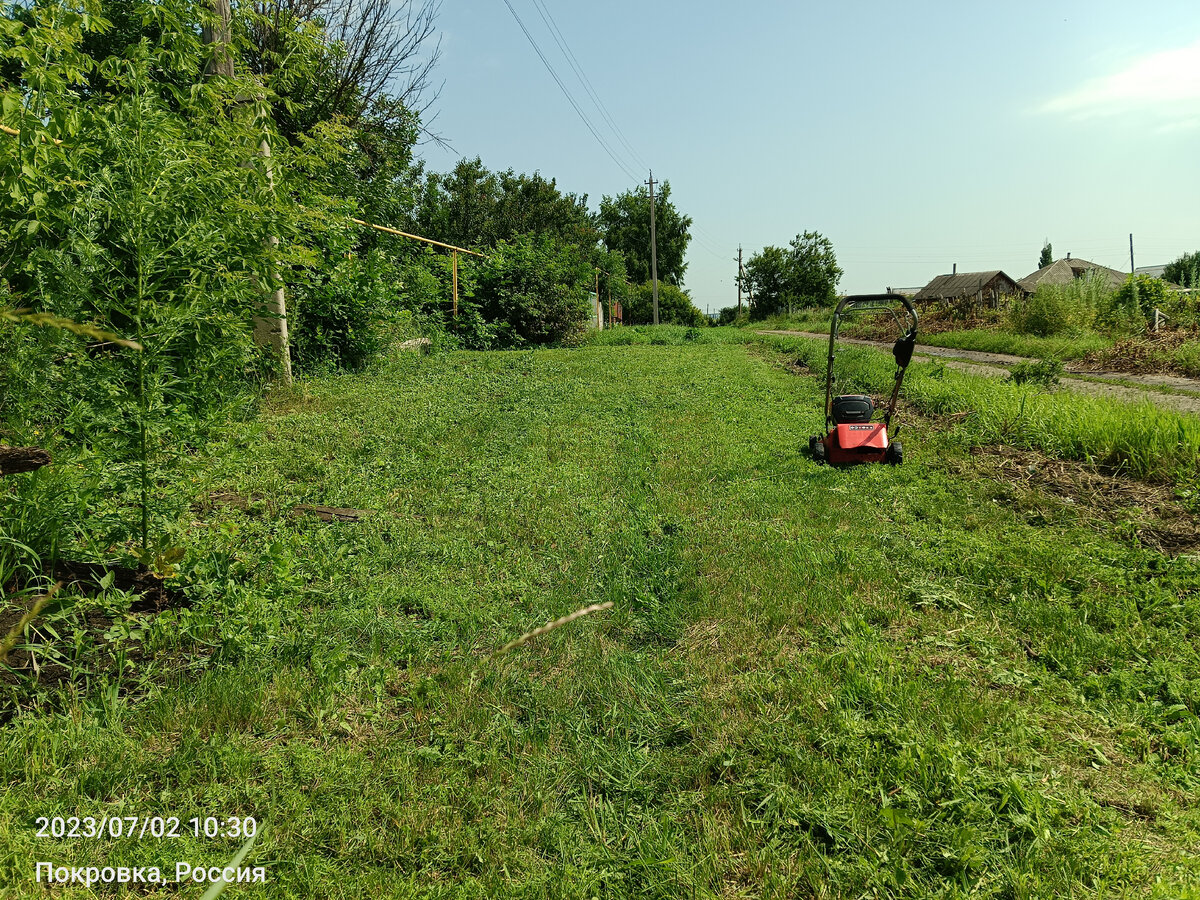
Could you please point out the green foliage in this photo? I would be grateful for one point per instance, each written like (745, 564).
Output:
(145, 222)
(1060, 309)
(1137, 298)
(344, 318)
(624, 223)
(674, 306)
(1184, 271)
(1047, 256)
(805, 274)
(475, 208)
(1045, 372)
(729, 315)
(534, 290)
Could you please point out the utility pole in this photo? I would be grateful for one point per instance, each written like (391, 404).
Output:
(1131, 268)
(219, 33)
(653, 247)
(739, 281)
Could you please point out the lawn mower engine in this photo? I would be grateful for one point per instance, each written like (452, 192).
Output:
(851, 436)
(854, 438)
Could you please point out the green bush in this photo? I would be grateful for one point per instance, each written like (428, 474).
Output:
(341, 320)
(534, 290)
(674, 306)
(1135, 301)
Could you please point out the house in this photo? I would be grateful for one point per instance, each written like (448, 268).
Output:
(1064, 271)
(977, 287)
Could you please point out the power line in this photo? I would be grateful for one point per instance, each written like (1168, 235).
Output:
(548, 18)
(549, 68)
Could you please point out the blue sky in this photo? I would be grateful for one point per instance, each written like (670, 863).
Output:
(914, 135)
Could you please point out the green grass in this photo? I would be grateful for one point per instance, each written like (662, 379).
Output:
(988, 341)
(871, 682)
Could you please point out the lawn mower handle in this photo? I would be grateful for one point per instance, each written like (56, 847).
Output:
(902, 351)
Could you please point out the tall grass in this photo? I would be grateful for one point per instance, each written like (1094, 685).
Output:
(1057, 309)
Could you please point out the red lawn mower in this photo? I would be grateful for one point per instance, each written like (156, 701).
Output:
(851, 436)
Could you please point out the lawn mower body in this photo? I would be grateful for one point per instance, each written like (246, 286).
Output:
(851, 435)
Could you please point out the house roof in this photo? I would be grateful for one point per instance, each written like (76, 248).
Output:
(962, 284)
(1064, 271)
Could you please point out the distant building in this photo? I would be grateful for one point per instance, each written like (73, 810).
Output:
(1152, 271)
(1064, 271)
(978, 287)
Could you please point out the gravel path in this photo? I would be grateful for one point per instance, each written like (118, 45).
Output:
(1117, 385)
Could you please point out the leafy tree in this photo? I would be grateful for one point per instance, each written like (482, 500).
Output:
(1047, 256)
(806, 273)
(150, 221)
(674, 306)
(767, 280)
(625, 226)
(474, 207)
(1184, 271)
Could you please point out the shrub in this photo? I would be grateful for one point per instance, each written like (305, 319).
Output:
(341, 320)
(534, 290)
(674, 306)
(1137, 298)
(729, 316)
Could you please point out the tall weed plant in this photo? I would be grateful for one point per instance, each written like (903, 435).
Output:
(1060, 309)
(145, 211)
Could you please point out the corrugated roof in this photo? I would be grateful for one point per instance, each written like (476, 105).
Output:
(962, 284)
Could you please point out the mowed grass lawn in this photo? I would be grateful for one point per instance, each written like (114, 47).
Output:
(906, 682)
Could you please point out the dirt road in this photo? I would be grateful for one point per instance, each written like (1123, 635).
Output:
(1117, 385)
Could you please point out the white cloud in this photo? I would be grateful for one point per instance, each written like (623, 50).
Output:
(1166, 83)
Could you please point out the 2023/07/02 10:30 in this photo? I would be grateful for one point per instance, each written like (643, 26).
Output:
(138, 827)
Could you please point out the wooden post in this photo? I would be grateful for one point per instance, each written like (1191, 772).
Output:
(611, 316)
(454, 266)
(599, 308)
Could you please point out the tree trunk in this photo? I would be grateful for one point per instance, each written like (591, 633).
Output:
(22, 459)
(270, 323)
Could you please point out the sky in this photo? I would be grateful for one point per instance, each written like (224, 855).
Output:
(915, 136)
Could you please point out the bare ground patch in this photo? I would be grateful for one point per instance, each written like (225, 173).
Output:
(1157, 518)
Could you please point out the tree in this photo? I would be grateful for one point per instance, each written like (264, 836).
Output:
(804, 274)
(766, 280)
(1047, 256)
(625, 226)
(674, 306)
(373, 50)
(1184, 271)
(474, 207)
